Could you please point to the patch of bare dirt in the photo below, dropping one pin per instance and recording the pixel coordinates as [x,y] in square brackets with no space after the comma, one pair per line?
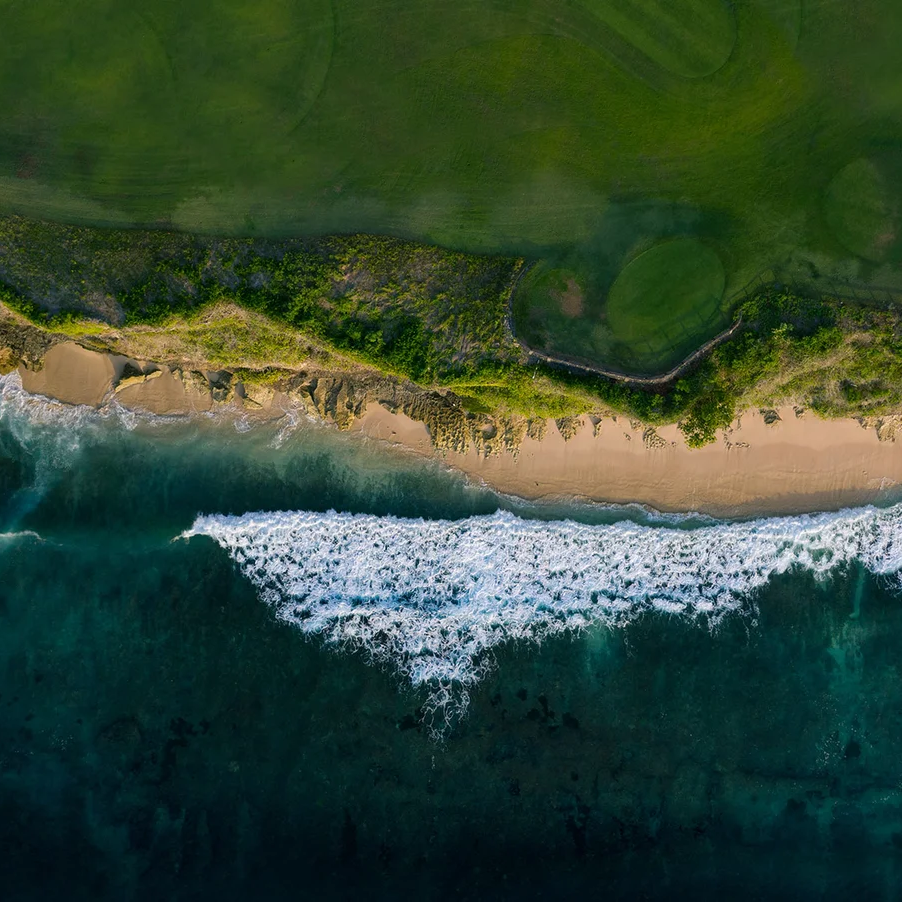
[571,300]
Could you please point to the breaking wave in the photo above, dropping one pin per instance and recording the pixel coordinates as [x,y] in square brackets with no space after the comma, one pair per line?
[51,435]
[433,598]
[19,536]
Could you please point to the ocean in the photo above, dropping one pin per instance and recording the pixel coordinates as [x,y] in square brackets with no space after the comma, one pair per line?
[276,661]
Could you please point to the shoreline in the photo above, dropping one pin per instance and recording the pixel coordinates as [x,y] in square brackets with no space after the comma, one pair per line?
[775,463]
[798,464]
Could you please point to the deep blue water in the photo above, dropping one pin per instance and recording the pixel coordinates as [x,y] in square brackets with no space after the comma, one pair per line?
[165,735]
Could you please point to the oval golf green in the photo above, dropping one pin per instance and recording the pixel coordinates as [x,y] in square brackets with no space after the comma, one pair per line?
[861,210]
[690,38]
[666,295]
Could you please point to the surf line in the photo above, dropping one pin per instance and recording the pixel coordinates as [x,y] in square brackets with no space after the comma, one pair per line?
[432,598]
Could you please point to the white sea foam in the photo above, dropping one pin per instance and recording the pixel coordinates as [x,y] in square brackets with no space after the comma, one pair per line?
[18,536]
[18,404]
[24,413]
[36,410]
[53,432]
[433,598]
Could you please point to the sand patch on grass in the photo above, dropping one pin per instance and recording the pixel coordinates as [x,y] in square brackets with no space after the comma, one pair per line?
[571,299]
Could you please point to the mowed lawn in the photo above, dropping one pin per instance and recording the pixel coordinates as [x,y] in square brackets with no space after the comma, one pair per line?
[579,134]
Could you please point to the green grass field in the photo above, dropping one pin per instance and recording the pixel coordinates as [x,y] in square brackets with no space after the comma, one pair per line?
[861,206]
[690,38]
[664,296]
[577,134]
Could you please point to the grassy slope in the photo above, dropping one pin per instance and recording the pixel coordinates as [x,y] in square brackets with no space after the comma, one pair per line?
[435,316]
[413,309]
[524,127]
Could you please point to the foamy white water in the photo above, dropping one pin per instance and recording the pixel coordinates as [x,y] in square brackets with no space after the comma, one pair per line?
[432,598]
[18,536]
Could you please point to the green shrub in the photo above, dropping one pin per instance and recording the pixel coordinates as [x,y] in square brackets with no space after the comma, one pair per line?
[439,317]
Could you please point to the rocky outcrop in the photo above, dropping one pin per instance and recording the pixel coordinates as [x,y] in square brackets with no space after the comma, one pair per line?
[343,398]
[888,428]
[568,426]
[536,429]
[172,388]
[22,343]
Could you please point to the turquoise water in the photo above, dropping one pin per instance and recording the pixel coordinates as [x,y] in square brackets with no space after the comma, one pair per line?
[283,663]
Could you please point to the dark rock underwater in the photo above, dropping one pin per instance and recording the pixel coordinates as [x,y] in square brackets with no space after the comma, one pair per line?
[163,737]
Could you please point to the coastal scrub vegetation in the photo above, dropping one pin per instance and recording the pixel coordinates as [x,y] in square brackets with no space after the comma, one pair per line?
[589,136]
[417,311]
[434,316]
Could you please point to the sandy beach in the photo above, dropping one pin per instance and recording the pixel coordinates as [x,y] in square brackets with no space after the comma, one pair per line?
[797,464]
[791,463]
[72,374]
[78,376]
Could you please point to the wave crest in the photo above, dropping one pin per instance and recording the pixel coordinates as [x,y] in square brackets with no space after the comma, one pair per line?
[432,598]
